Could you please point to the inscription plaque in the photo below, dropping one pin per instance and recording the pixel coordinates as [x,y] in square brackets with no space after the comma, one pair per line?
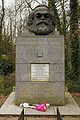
[39,72]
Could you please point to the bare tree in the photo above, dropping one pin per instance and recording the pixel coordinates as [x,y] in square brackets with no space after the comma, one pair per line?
[2,17]
[74,39]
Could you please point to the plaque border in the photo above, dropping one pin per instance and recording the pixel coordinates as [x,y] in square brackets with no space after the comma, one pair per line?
[38,80]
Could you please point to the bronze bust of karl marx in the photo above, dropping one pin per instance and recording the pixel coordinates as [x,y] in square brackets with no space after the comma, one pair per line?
[41,21]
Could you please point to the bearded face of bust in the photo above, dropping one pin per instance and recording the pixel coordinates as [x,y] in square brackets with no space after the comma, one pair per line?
[41,21]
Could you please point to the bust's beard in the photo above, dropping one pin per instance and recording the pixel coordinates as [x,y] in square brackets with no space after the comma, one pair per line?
[41,29]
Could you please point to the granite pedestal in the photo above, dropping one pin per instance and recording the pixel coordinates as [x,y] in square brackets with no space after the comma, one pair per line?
[40,68]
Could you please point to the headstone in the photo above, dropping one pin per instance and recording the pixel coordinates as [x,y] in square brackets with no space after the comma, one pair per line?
[40,61]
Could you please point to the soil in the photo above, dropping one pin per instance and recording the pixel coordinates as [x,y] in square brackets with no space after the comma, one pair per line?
[39,118]
[8,118]
[76,96]
[2,99]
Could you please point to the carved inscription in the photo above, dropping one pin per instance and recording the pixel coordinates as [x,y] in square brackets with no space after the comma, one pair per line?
[39,72]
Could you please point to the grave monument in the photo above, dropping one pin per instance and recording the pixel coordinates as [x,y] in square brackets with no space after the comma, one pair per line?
[40,61]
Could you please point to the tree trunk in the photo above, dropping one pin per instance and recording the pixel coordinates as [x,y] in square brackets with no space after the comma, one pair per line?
[64,18]
[1,23]
[74,40]
[51,4]
[2,17]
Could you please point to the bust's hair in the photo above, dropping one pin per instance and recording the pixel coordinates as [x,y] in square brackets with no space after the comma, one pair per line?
[31,15]
[30,19]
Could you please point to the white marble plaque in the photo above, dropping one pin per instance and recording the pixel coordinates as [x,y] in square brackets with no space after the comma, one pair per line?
[39,72]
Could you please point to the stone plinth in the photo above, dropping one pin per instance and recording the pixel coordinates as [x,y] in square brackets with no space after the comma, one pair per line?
[36,84]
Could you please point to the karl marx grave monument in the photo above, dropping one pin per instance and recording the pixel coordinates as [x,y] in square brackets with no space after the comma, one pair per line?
[40,60]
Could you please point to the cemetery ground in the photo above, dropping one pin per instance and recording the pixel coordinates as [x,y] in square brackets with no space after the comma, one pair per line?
[39,118]
[76,96]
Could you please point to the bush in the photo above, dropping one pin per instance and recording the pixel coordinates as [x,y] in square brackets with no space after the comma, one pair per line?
[9,83]
[6,84]
[73,86]
[1,84]
[6,66]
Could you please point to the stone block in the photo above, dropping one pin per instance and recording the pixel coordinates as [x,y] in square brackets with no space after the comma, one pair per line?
[51,47]
[39,92]
[38,49]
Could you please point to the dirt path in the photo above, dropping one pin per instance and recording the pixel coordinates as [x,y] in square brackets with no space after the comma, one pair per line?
[76,96]
[2,99]
[39,118]
[8,118]
[53,118]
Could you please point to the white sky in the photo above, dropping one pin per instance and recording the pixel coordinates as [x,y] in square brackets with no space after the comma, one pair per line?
[9,2]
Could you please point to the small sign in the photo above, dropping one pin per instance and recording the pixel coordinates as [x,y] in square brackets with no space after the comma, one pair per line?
[39,72]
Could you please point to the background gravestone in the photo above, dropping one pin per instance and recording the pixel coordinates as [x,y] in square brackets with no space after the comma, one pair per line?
[40,61]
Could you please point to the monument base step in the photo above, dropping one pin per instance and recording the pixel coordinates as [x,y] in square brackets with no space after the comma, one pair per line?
[71,108]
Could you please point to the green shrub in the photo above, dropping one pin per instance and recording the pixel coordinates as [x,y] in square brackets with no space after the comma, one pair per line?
[73,86]
[6,66]
[9,82]
[1,84]
[6,84]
